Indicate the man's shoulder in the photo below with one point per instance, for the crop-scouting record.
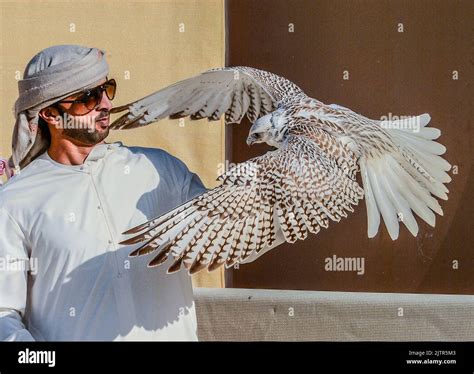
(20, 188)
(157, 156)
(24, 177)
(150, 152)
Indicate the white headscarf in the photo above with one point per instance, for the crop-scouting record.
(53, 74)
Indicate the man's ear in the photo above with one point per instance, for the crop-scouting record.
(50, 115)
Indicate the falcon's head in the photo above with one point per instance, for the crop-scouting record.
(270, 129)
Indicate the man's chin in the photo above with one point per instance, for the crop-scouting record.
(86, 137)
(101, 134)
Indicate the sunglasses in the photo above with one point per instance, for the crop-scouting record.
(90, 98)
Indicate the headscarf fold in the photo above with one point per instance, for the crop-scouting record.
(52, 75)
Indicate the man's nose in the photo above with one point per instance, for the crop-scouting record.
(105, 102)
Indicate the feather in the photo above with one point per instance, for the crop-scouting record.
(287, 194)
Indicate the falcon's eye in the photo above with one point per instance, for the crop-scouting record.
(257, 135)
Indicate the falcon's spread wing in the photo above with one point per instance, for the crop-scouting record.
(400, 164)
(297, 188)
(235, 91)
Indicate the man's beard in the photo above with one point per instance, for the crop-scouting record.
(88, 135)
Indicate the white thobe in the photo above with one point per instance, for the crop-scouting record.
(65, 223)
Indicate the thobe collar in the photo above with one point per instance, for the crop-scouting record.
(96, 154)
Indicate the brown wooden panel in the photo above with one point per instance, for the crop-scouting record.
(403, 73)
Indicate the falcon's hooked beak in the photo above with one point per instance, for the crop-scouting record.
(253, 138)
(257, 133)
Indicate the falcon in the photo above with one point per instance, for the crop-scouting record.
(307, 181)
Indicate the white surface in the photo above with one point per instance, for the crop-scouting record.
(256, 315)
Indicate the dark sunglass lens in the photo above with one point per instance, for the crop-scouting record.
(89, 99)
(85, 103)
(110, 87)
(92, 98)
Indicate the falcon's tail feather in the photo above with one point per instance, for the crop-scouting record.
(397, 183)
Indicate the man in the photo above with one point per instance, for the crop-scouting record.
(63, 275)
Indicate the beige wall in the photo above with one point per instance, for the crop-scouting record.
(145, 50)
